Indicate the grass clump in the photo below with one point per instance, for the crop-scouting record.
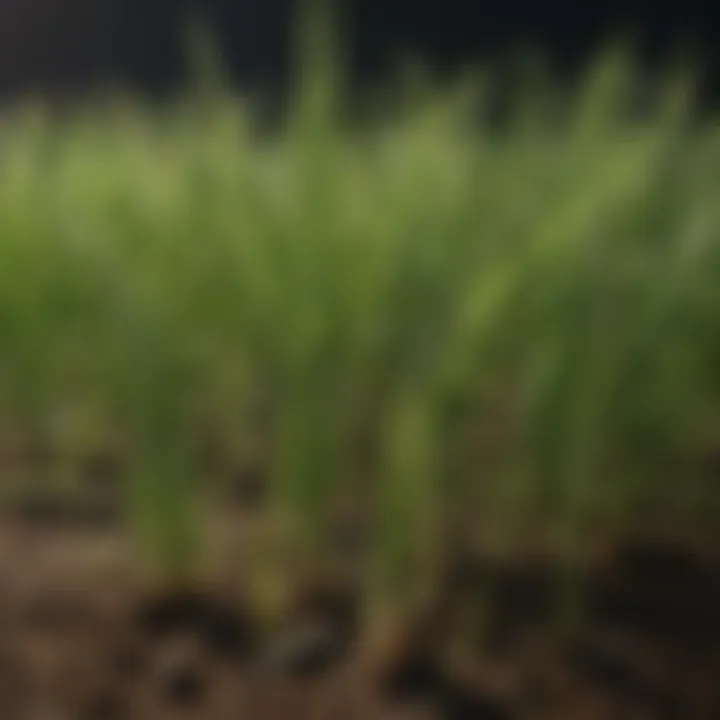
(408, 282)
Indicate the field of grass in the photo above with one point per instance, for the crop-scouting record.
(453, 335)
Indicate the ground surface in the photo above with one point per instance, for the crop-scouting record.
(82, 638)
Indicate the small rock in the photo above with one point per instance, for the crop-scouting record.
(306, 651)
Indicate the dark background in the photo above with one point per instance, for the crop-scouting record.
(66, 48)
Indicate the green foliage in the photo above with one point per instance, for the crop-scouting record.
(394, 279)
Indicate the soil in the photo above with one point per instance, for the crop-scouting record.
(83, 637)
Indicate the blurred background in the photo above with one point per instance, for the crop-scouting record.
(66, 47)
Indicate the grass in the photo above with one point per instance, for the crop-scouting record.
(409, 281)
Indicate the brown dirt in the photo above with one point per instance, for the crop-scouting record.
(82, 638)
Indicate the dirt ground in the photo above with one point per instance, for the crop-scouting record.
(82, 638)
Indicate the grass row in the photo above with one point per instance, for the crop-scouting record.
(459, 328)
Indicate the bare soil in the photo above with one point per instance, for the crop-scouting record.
(83, 637)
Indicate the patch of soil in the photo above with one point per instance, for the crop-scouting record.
(82, 638)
